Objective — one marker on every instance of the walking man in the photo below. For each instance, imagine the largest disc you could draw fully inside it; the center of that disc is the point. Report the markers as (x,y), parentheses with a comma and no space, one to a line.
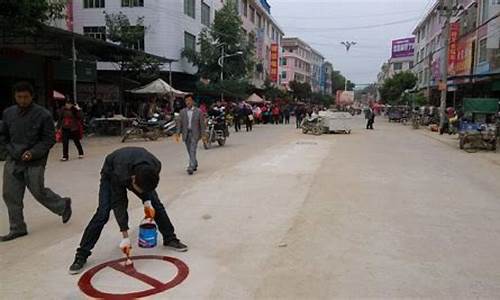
(370,116)
(27,134)
(133,169)
(192,127)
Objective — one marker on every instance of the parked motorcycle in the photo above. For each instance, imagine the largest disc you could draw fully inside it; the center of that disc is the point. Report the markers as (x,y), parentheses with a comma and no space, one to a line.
(169,126)
(216,131)
(313,125)
(148,130)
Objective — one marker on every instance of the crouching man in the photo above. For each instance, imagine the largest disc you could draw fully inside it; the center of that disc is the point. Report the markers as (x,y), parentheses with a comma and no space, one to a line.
(137,170)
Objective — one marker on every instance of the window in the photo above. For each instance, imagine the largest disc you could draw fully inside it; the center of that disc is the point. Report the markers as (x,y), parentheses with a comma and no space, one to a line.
(244,4)
(252,14)
(411,65)
(485,12)
(132,3)
(205,14)
(283,75)
(189,41)
(259,21)
(482,51)
(189,8)
(139,45)
(398,66)
(283,61)
(93,3)
(96,32)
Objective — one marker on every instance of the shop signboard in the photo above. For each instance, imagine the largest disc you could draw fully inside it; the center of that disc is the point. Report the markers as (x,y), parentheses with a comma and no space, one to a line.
(274,62)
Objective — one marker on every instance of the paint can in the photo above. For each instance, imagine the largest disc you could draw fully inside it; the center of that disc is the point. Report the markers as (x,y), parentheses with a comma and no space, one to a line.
(147,235)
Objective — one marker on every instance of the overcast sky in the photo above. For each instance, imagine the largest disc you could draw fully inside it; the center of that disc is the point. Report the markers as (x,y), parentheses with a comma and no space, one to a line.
(325,23)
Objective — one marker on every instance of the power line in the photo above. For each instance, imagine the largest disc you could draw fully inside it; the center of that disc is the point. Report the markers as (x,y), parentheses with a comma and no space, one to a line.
(346,17)
(357,27)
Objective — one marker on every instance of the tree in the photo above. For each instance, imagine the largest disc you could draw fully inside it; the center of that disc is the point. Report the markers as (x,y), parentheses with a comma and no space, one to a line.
(226,32)
(393,88)
(142,67)
(301,91)
(28,15)
(338,82)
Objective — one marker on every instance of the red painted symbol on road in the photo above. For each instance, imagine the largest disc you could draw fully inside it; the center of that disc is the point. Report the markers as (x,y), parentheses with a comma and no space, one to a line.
(86,286)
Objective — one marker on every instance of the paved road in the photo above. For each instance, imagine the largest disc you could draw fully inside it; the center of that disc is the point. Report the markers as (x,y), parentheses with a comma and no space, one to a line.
(276,214)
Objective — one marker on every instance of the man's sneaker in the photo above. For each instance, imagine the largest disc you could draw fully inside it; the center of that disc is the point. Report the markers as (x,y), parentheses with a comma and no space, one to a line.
(190,171)
(176,245)
(66,215)
(12,236)
(64,159)
(77,265)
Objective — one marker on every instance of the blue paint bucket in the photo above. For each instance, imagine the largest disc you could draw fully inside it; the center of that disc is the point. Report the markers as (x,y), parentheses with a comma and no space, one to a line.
(147,235)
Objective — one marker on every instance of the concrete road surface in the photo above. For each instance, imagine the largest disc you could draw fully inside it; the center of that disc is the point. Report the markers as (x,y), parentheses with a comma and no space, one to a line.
(276,214)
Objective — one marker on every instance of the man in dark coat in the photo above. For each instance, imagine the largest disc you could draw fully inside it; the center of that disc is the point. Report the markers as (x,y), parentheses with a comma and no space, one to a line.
(27,134)
(133,169)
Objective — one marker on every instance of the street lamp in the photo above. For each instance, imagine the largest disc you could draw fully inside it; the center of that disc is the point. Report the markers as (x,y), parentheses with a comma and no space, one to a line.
(348,45)
(221,63)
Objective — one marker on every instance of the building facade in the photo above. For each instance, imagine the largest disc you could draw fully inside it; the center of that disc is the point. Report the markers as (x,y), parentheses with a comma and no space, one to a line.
(317,61)
(259,25)
(326,78)
(473,63)
(296,61)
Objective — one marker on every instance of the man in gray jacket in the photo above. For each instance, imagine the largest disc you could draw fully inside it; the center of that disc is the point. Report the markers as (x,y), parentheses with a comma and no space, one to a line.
(192,126)
(27,134)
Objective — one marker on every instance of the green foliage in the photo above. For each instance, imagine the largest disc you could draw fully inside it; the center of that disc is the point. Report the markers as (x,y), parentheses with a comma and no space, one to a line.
(28,15)
(338,82)
(393,88)
(271,92)
(325,100)
(225,32)
(301,91)
(232,89)
(119,30)
(142,68)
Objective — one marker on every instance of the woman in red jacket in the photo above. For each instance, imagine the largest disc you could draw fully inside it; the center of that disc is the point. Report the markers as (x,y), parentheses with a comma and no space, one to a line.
(70,124)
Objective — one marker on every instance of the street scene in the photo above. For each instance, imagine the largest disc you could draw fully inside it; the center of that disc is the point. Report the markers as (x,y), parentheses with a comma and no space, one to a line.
(249,149)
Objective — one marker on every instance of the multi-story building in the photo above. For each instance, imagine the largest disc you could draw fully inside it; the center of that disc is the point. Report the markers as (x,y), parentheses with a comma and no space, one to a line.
(326,78)
(296,61)
(473,63)
(317,61)
(302,63)
(259,24)
(170,26)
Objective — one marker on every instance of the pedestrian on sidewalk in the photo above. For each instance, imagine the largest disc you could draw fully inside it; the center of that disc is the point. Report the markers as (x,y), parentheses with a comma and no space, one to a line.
(191,125)
(237,116)
(370,116)
(136,170)
(70,124)
(286,114)
(248,114)
(27,134)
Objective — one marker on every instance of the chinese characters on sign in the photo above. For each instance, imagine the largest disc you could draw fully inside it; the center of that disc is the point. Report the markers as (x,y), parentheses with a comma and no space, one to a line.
(453,48)
(274,62)
(403,48)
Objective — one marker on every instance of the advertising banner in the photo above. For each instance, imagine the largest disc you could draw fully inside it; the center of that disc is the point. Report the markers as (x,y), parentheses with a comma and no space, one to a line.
(453,48)
(464,56)
(403,48)
(274,62)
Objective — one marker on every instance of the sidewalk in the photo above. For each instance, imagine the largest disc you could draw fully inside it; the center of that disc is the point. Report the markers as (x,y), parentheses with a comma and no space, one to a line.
(452,141)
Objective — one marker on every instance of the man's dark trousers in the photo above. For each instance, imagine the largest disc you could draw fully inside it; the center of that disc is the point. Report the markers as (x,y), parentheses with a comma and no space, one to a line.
(237,123)
(94,228)
(16,177)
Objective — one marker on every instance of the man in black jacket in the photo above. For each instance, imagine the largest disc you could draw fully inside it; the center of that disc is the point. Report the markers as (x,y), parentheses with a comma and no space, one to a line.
(133,169)
(27,135)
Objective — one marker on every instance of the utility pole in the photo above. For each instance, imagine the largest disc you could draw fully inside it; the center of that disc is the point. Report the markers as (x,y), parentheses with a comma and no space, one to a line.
(447,11)
(222,73)
(348,46)
(73,49)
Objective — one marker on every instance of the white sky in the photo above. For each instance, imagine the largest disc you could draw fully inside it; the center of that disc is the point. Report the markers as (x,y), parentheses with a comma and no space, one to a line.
(325,23)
